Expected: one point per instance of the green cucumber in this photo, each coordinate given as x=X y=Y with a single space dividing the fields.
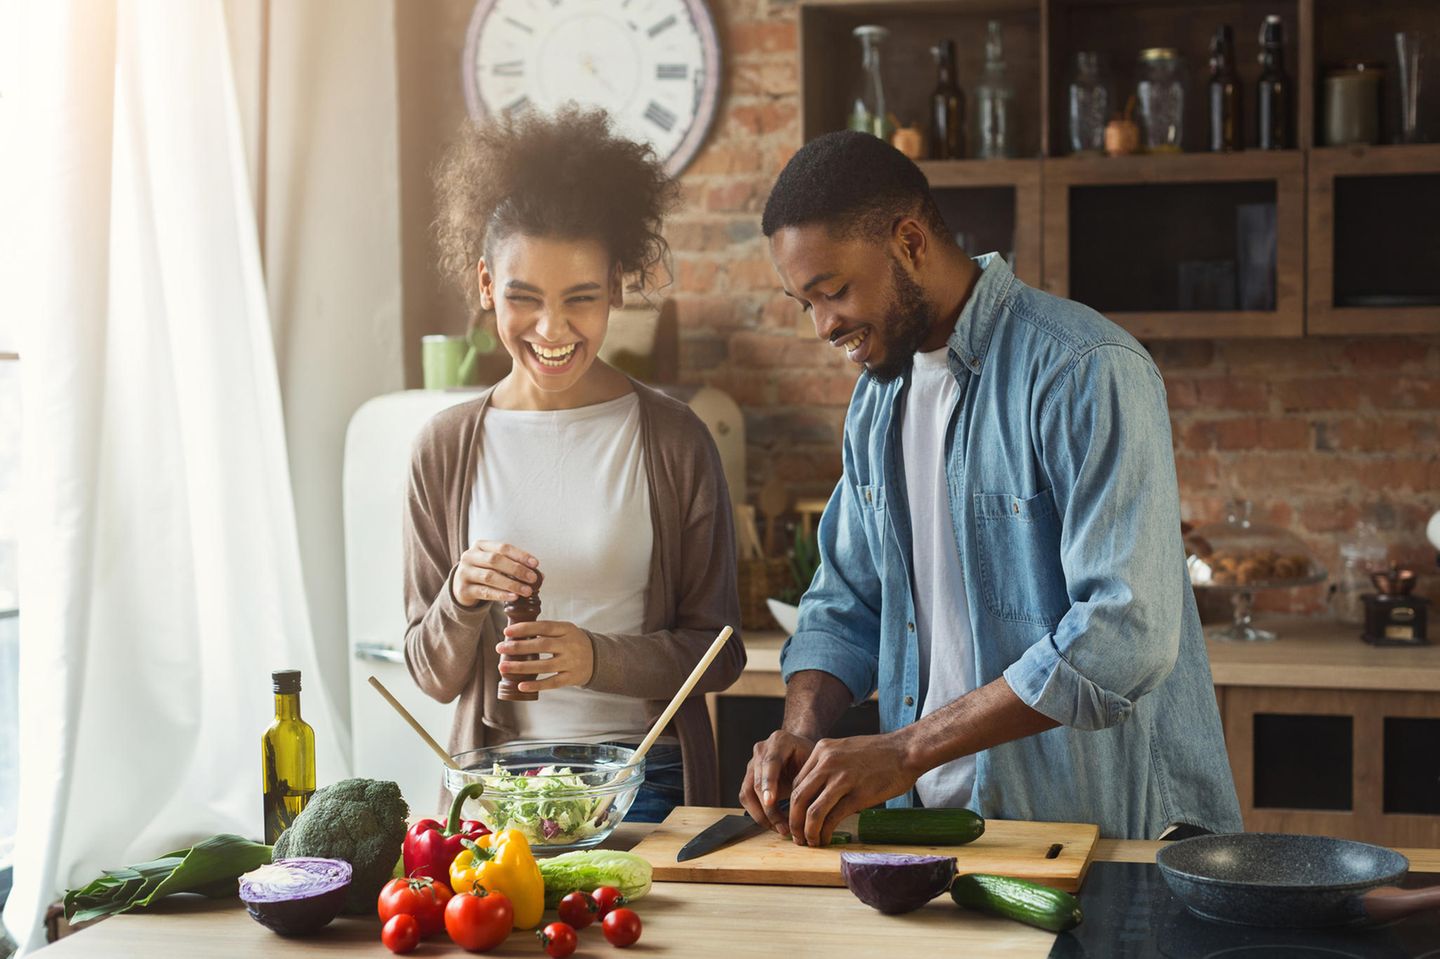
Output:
x=920 y=827
x=1018 y=899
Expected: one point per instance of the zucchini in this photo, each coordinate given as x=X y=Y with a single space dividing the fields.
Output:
x=920 y=827
x=1018 y=899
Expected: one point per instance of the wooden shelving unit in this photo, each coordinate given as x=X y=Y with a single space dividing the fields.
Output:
x=1284 y=172
x=1048 y=212
x=1409 y=229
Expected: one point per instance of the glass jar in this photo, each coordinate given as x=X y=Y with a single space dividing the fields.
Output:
x=994 y=101
x=1363 y=553
x=868 y=113
x=1089 y=105
x=1161 y=94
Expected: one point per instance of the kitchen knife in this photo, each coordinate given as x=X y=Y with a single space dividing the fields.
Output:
x=722 y=832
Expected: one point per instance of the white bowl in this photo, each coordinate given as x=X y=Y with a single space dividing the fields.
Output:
x=786 y=615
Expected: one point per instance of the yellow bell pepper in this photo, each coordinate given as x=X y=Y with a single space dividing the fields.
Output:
x=502 y=862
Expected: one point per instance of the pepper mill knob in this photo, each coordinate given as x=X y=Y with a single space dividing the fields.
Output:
x=522 y=609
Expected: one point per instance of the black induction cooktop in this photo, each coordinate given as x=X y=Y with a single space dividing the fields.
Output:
x=1131 y=914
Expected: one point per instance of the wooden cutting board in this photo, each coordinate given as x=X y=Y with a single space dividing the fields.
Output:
x=1008 y=847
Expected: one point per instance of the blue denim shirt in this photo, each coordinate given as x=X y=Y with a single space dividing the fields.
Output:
x=1067 y=517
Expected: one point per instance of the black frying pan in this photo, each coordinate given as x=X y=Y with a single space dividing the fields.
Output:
x=1269 y=879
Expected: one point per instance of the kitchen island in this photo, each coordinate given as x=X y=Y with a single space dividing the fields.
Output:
x=695 y=920
x=1326 y=734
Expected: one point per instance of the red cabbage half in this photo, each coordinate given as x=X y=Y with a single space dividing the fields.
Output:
x=893 y=882
x=296 y=897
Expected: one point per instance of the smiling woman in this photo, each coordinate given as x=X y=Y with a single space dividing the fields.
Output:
x=569 y=467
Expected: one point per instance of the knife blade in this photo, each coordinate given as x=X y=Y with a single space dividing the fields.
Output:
x=722 y=832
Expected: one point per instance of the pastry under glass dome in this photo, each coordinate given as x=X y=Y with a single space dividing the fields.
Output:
x=1242 y=557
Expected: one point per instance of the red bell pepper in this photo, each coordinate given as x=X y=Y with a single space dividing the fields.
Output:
x=430 y=846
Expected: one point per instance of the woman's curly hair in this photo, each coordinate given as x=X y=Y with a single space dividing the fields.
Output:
x=565 y=175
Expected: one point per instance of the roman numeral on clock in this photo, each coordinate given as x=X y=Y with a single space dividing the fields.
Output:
x=518 y=104
x=660 y=116
x=510 y=68
x=672 y=71
x=518 y=25
x=662 y=26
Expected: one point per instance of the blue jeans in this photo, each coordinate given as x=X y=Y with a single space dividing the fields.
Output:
x=664 y=786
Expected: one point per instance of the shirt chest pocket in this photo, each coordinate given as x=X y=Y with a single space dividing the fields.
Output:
x=871 y=500
x=1019 y=557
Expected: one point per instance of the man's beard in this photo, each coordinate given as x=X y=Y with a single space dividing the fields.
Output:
x=908 y=319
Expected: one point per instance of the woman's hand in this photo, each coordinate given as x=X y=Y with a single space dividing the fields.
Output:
x=572 y=657
x=493 y=572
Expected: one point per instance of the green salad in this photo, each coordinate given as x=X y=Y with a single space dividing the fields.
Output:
x=551 y=807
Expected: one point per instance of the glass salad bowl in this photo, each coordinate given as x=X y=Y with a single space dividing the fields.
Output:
x=561 y=796
x=1243 y=557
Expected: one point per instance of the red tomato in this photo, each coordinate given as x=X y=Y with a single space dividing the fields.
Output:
x=421 y=897
x=401 y=932
x=558 y=939
x=622 y=928
x=578 y=909
x=607 y=898
x=479 y=920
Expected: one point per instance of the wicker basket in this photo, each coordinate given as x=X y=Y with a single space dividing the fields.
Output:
x=759 y=579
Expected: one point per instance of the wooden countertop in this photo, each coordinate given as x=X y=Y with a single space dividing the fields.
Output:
x=1310 y=654
x=694 y=920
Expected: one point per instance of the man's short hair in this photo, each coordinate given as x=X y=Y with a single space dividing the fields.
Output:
x=854 y=183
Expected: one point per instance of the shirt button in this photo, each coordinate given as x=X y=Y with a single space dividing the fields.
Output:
x=910 y=626
x=909 y=700
x=1017 y=506
x=868 y=497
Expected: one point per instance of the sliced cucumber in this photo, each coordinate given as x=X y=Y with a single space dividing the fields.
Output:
x=920 y=827
x=1018 y=899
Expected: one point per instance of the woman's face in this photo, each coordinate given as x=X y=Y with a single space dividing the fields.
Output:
x=552 y=300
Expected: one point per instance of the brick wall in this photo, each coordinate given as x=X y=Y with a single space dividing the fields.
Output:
x=1319 y=433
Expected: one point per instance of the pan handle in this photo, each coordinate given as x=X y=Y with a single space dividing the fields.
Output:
x=1391 y=902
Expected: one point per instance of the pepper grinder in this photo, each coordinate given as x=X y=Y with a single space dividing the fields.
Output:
x=521 y=609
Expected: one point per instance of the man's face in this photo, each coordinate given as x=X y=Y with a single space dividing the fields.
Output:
x=861 y=297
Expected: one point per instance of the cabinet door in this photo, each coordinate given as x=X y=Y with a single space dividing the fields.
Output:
x=1349 y=763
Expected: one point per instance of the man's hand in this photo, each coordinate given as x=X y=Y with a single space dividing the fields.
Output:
x=844 y=776
x=493 y=572
x=768 y=777
x=572 y=655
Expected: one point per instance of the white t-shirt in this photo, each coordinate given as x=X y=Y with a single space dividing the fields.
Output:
x=570 y=488
x=942 y=614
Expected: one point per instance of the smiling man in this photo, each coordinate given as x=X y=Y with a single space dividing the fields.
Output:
x=1001 y=558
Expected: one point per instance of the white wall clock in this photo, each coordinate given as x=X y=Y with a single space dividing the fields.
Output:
x=653 y=64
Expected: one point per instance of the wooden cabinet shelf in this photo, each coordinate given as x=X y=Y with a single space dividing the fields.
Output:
x=1003 y=196
x=1120 y=232
x=1392 y=196
x=1054 y=215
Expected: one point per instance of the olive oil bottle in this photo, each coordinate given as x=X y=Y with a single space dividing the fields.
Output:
x=287 y=757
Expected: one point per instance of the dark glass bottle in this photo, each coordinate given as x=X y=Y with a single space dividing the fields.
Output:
x=1274 y=94
x=947 y=107
x=1225 y=127
x=287 y=757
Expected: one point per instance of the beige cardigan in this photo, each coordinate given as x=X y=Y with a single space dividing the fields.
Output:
x=450 y=648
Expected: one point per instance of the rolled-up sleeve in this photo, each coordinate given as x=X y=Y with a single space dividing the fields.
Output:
x=839 y=627
x=1105 y=432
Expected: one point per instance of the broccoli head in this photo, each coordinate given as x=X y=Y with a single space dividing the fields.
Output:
x=361 y=821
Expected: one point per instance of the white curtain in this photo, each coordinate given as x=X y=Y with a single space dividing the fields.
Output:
x=160 y=581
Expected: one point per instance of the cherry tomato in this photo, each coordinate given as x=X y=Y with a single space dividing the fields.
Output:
x=558 y=939
x=421 y=897
x=578 y=909
x=608 y=898
x=401 y=932
x=622 y=927
x=479 y=920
